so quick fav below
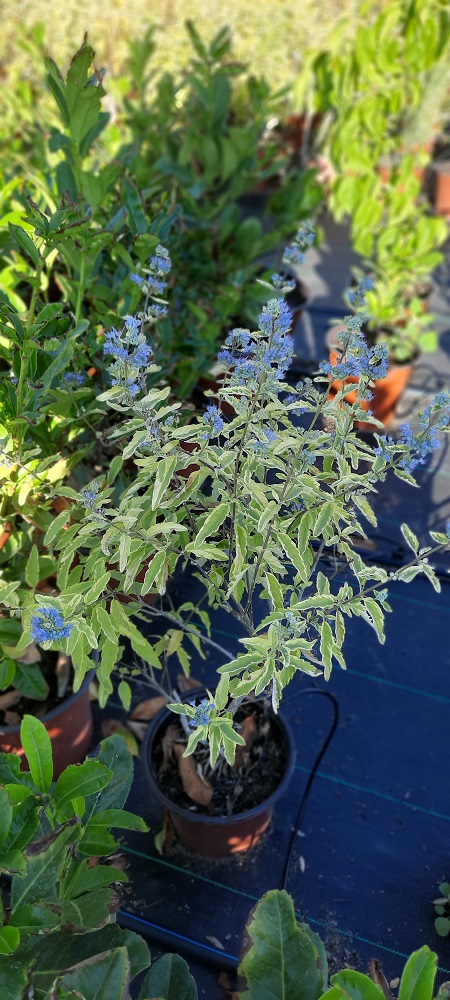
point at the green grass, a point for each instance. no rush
(270, 35)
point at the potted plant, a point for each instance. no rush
(272, 488)
(400, 249)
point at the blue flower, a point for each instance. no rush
(48, 626)
(89, 496)
(142, 355)
(213, 417)
(203, 713)
(137, 279)
(73, 378)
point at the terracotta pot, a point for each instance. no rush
(441, 187)
(5, 533)
(386, 391)
(69, 725)
(214, 836)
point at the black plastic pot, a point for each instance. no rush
(215, 836)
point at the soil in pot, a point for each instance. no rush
(66, 716)
(224, 812)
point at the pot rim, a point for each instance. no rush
(53, 714)
(155, 725)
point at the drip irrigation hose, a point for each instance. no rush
(304, 799)
(194, 949)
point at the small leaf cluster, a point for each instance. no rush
(58, 936)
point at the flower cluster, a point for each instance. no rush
(266, 354)
(212, 417)
(203, 713)
(48, 626)
(153, 283)
(416, 447)
(73, 378)
(132, 355)
(294, 254)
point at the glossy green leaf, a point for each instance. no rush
(282, 961)
(9, 940)
(169, 979)
(418, 975)
(38, 749)
(80, 780)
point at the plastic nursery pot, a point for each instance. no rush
(69, 725)
(214, 836)
(386, 391)
(441, 187)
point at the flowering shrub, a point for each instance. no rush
(275, 486)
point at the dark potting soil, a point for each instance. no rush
(235, 790)
(14, 713)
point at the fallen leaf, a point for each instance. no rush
(248, 729)
(113, 727)
(197, 788)
(62, 674)
(187, 683)
(215, 942)
(9, 698)
(138, 728)
(146, 710)
(12, 718)
(29, 655)
(171, 734)
(377, 976)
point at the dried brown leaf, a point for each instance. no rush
(197, 788)
(187, 683)
(146, 710)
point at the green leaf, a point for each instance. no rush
(32, 567)
(133, 205)
(326, 648)
(60, 951)
(377, 617)
(283, 962)
(93, 594)
(211, 523)
(350, 985)
(85, 879)
(38, 749)
(30, 681)
(324, 518)
(55, 527)
(410, 537)
(6, 815)
(99, 978)
(124, 692)
(442, 925)
(169, 978)
(13, 977)
(164, 473)
(44, 868)
(26, 243)
(114, 755)
(418, 975)
(156, 565)
(275, 591)
(9, 940)
(80, 780)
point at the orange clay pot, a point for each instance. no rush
(69, 725)
(386, 391)
(441, 187)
